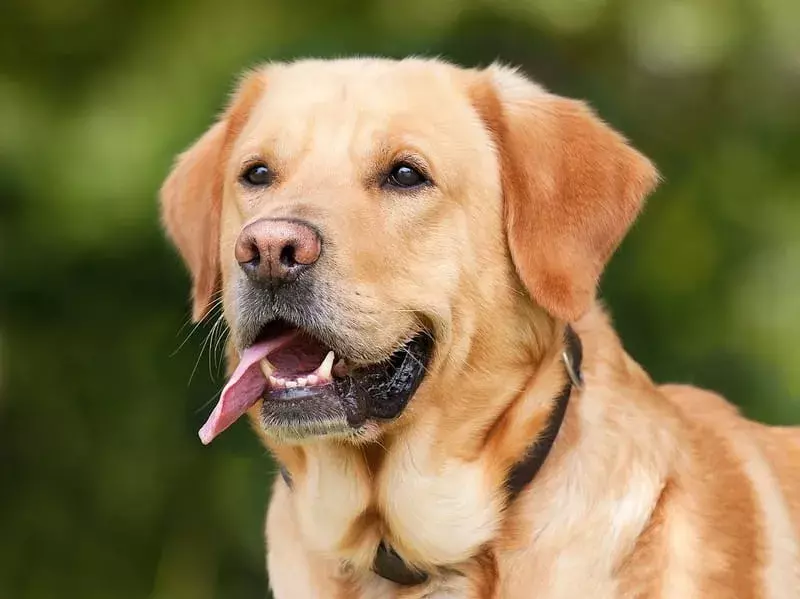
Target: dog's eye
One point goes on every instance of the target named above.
(405, 177)
(258, 174)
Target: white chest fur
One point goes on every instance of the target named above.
(431, 512)
(438, 512)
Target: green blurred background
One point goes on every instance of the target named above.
(105, 490)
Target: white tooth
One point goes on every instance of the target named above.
(301, 382)
(281, 382)
(291, 384)
(312, 379)
(324, 370)
(273, 382)
(266, 367)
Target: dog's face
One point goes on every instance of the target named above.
(372, 223)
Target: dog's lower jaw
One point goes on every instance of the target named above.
(319, 432)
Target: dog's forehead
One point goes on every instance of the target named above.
(359, 100)
(362, 84)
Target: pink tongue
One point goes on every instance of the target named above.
(245, 387)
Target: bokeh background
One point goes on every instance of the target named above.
(105, 490)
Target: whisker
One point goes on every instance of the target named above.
(413, 357)
(215, 298)
(213, 399)
(216, 330)
(214, 306)
(199, 356)
(222, 343)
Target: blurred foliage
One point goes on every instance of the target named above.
(105, 490)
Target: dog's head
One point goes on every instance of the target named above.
(372, 226)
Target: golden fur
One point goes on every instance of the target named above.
(651, 492)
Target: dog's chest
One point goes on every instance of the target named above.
(431, 513)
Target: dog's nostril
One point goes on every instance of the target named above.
(255, 254)
(275, 249)
(287, 256)
(247, 251)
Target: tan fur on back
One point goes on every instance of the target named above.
(649, 492)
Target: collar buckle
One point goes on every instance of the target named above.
(572, 357)
(389, 565)
(575, 376)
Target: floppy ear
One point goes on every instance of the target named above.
(572, 188)
(191, 196)
(190, 208)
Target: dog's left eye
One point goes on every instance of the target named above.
(405, 176)
(257, 175)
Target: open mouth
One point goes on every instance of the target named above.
(307, 390)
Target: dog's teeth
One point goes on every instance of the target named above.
(281, 382)
(291, 384)
(301, 382)
(312, 379)
(266, 367)
(273, 382)
(324, 370)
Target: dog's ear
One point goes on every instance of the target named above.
(191, 196)
(572, 187)
(190, 208)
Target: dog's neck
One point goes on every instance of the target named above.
(501, 386)
(390, 566)
(437, 495)
(478, 427)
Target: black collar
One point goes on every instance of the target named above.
(524, 471)
(389, 565)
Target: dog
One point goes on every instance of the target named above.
(407, 255)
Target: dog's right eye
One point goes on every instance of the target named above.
(405, 176)
(258, 175)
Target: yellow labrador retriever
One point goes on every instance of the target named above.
(407, 254)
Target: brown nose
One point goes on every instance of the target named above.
(277, 250)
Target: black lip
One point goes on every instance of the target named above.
(378, 391)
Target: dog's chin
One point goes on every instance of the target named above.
(353, 403)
